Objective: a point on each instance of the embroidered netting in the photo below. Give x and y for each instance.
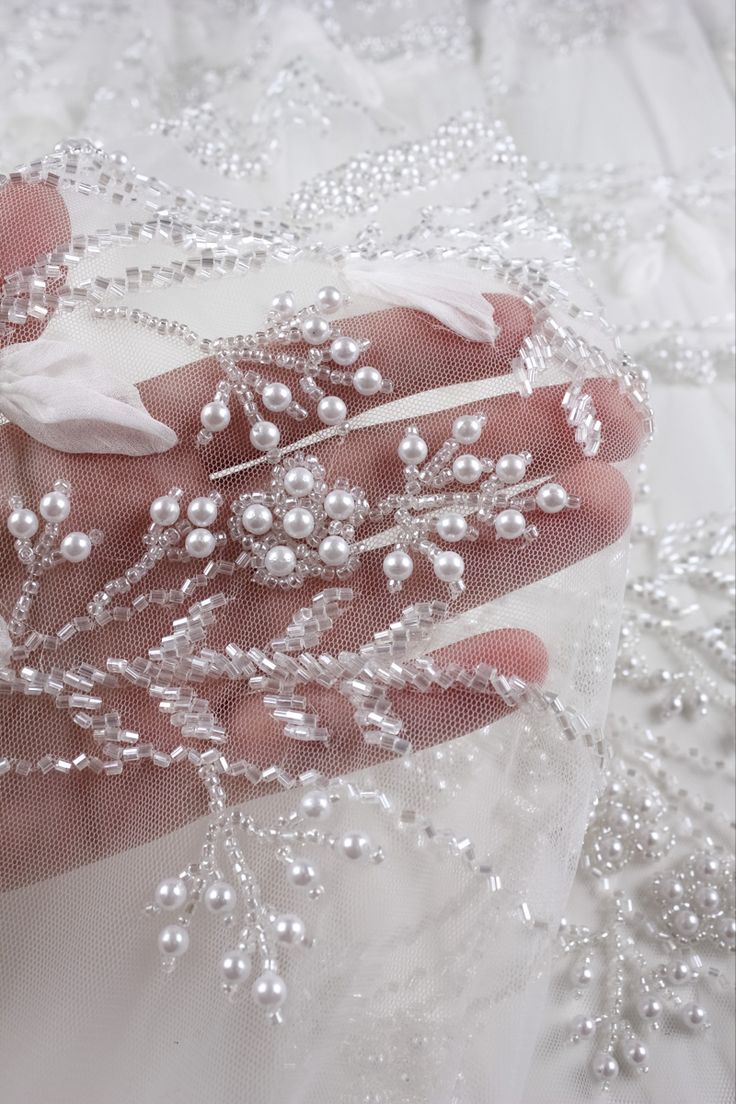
(459, 797)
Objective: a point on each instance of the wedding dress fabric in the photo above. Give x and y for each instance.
(231, 153)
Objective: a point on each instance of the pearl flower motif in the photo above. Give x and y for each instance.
(301, 527)
(629, 821)
(696, 902)
(431, 510)
(329, 362)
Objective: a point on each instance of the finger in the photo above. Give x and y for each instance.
(495, 567)
(33, 219)
(87, 818)
(428, 718)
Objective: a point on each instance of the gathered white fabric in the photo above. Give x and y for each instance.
(58, 394)
(401, 866)
(450, 295)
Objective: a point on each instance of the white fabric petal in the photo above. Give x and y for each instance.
(696, 247)
(638, 268)
(61, 397)
(446, 291)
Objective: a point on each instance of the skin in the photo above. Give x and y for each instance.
(86, 819)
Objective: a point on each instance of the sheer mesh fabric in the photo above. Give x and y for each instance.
(421, 979)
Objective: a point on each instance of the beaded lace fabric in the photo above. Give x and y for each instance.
(288, 820)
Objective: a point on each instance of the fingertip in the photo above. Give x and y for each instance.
(605, 499)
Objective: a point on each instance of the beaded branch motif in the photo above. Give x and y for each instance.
(172, 674)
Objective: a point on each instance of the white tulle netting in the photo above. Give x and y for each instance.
(428, 967)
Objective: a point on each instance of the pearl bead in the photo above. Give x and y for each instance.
(448, 566)
(451, 527)
(289, 929)
(171, 893)
(298, 523)
(413, 450)
(298, 482)
(22, 524)
(511, 468)
(398, 565)
(636, 1053)
(200, 543)
(509, 524)
(75, 547)
(165, 510)
(605, 1067)
(585, 976)
(220, 897)
(315, 330)
(316, 804)
(280, 561)
(235, 966)
(55, 506)
(367, 380)
(269, 990)
(706, 866)
(687, 923)
(354, 845)
(679, 973)
(264, 436)
(650, 1008)
(215, 416)
(584, 1026)
(339, 505)
(622, 819)
(334, 551)
(551, 498)
(329, 299)
(173, 940)
(283, 304)
(694, 1016)
(708, 899)
(331, 410)
(467, 429)
(302, 873)
(344, 351)
(467, 468)
(674, 890)
(257, 519)
(276, 397)
(727, 930)
(612, 848)
(202, 511)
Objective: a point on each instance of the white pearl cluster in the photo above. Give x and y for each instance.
(301, 527)
(697, 902)
(251, 955)
(331, 359)
(49, 547)
(629, 822)
(487, 500)
(199, 542)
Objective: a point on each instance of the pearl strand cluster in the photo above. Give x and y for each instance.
(450, 511)
(260, 928)
(327, 361)
(685, 906)
(301, 527)
(698, 555)
(235, 898)
(49, 549)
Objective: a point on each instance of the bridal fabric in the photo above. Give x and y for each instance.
(414, 925)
